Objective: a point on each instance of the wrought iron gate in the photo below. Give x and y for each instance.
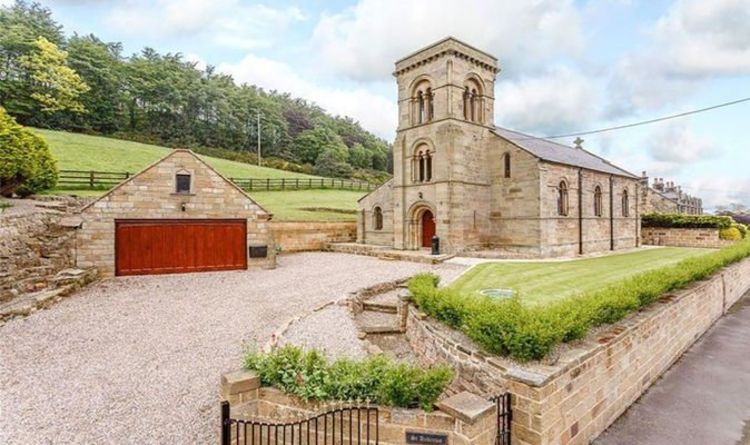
(504, 417)
(351, 425)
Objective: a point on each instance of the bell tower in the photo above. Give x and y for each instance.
(446, 113)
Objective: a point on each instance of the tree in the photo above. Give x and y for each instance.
(330, 163)
(53, 84)
(309, 144)
(26, 164)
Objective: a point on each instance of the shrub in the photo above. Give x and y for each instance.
(730, 233)
(742, 228)
(308, 375)
(676, 220)
(529, 333)
(26, 164)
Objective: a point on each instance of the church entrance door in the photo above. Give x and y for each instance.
(428, 228)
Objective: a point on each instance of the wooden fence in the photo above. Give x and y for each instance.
(80, 179)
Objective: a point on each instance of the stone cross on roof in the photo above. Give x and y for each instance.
(578, 142)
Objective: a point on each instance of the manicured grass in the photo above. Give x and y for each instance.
(321, 204)
(543, 282)
(82, 152)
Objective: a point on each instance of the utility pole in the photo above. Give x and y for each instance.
(257, 115)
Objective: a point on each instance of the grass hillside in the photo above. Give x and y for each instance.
(81, 152)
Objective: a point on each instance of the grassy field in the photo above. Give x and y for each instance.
(82, 152)
(542, 282)
(310, 205)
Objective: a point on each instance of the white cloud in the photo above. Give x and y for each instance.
(705, 38)
(375, 113)
(365, 40)
(200, 64)
(560, 100)
(225, 22)
(675, 143)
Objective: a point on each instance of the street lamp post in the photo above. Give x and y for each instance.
(258, 113)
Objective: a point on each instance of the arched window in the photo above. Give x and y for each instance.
(506, 165)
(467, 101)
(428, 166)
(625, 203)
(377, 216)
(422, 164)
(429, 106)
(562, 199)
(420, 107)
(474, 111)
(598, 201)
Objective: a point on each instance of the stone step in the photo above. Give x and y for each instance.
(28, 303)
(380, 307)
(380, 330)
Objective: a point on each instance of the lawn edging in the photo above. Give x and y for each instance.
(595, 379)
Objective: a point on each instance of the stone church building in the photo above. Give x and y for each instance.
(486, 189)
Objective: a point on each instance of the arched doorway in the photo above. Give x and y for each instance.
(428, 228)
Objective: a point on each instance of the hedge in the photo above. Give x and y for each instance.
(310, 376)
(676, 220)
(509, 328)
(26, 164)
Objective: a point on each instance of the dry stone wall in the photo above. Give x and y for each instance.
(591, 382)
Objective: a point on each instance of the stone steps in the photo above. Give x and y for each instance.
(380, 307)
(380, 330)
(63, 284)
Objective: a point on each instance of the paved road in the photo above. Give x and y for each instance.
(704, 399)
(137, 360)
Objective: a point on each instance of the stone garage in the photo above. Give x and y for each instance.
(178, 215)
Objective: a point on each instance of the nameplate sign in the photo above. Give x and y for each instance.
(426, 438)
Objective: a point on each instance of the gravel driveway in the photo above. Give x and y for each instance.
(137, 360)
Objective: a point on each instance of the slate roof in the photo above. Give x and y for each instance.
(562, 154)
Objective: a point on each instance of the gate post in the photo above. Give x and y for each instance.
(226, 426)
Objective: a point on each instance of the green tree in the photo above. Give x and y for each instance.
(53, 84)
(309, 144)
(26, 164)
(331, 163)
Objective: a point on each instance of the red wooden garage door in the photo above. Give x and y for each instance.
(160, 246)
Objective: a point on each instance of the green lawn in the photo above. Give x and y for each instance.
(541, 282)
(309, 205)
(82, 152)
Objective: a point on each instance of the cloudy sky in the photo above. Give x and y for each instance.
(566, 65)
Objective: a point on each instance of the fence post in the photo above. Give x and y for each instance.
(226, 426)
(297, 186)
(268, 184)
(283, 183)
(91, 179)
(127, 175)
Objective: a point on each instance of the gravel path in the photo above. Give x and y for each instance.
(137, 360)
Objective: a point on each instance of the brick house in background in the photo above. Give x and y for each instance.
(667, 197)
(481, 187)
(178, 215)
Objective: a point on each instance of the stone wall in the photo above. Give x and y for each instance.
(367, 233)
(463, 419)
(33, 249)
(151, 194)
(302, 236)
(709, 238)
(574, 397)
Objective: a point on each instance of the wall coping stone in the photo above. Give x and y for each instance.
(239, 381)
(466, 406)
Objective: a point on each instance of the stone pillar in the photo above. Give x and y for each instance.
(475, 419)
(402, 311)
(239, 386)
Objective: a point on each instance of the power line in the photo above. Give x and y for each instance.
(646, 122)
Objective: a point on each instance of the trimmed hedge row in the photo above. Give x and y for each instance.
(509, 328)
(309, 375)
(676, 220)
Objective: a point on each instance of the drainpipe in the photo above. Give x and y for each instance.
(637, 217)
(611, 215)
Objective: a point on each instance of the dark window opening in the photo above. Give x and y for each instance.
(378, 216)
(183, 183)
(506, 161)
(598, 201)
(625, 204)
(562, 199)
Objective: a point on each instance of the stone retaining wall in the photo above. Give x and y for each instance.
(592, 381)
(300, 236)
(33, 249)
(463, 419)
(658, 236)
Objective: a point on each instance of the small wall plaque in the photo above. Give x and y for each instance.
(426, 438)
(258, 251)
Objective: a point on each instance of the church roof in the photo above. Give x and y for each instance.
(562, 154)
